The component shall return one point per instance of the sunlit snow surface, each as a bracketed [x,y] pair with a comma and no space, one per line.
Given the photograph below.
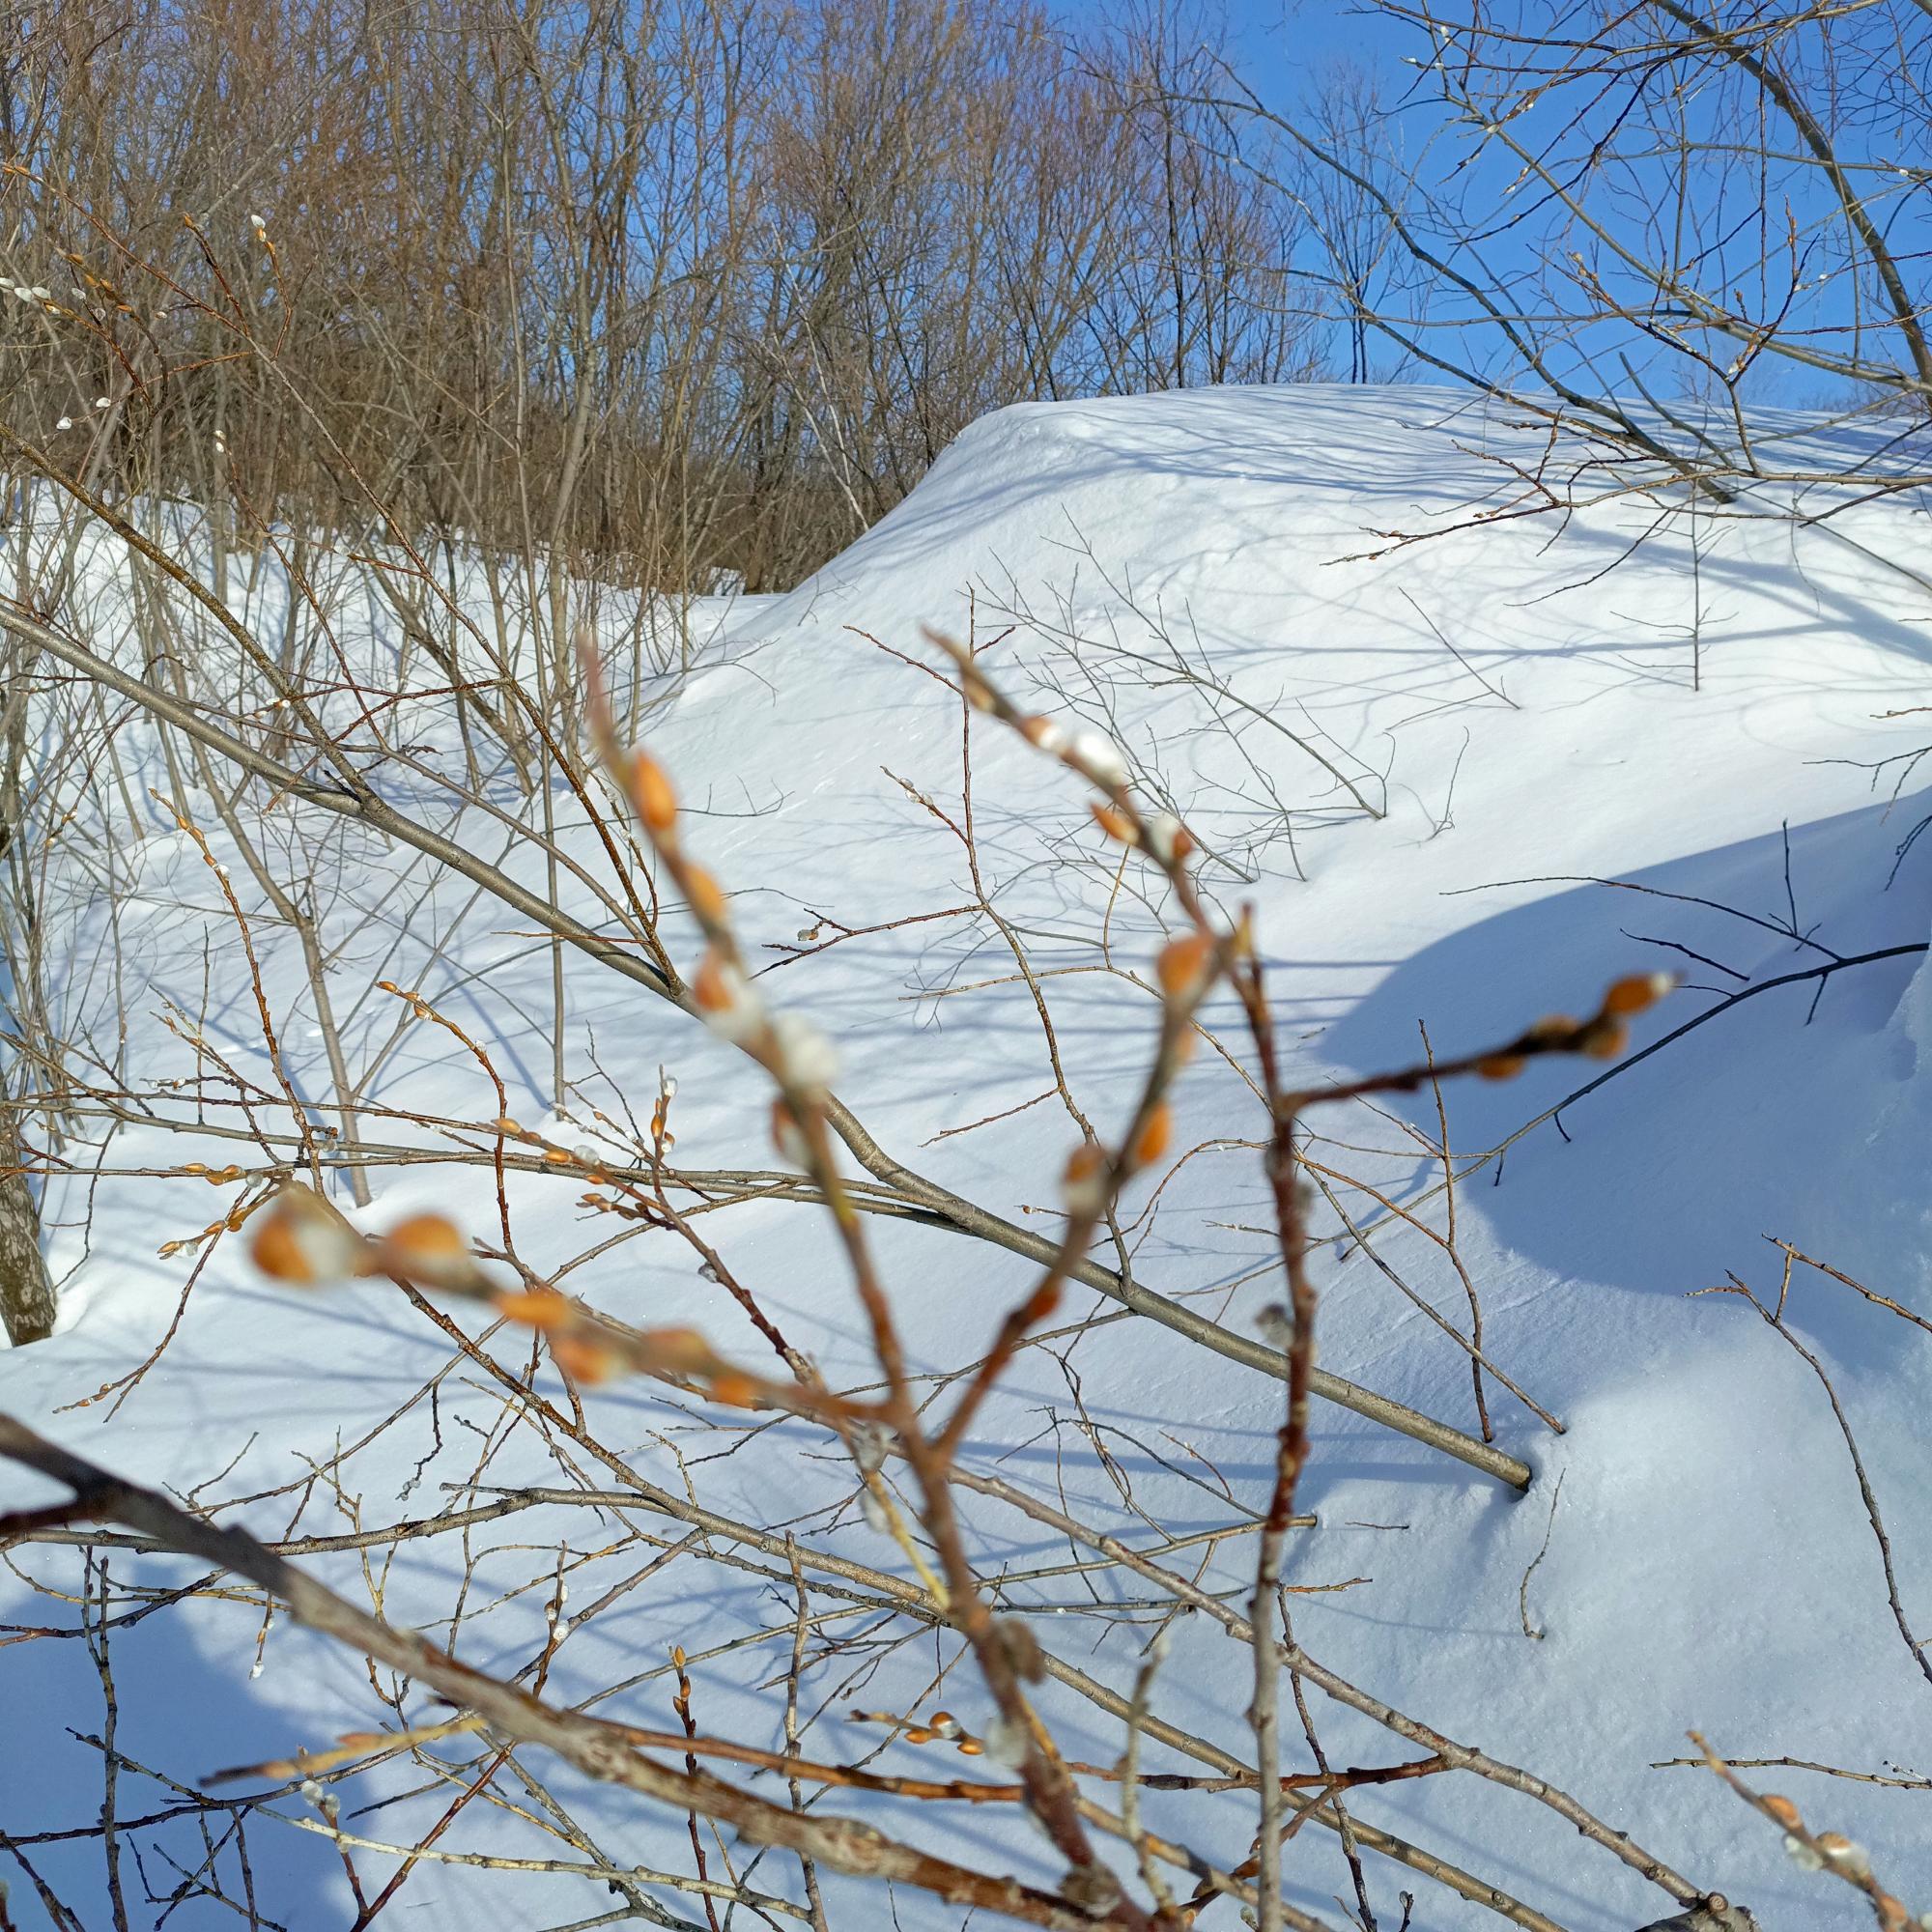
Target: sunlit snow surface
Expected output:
[1192,573]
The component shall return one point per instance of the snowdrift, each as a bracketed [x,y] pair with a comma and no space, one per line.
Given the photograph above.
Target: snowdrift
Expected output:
[1467,764]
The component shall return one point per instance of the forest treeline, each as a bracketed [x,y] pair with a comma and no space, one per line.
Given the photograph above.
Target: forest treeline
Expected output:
[698,287]
[682,293]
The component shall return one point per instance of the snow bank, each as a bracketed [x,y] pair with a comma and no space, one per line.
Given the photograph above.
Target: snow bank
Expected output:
[1412,758]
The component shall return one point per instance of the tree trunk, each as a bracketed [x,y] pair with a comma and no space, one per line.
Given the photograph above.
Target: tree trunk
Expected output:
[26,1290]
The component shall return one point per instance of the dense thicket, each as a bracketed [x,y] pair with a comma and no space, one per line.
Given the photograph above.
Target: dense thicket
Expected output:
[694,284]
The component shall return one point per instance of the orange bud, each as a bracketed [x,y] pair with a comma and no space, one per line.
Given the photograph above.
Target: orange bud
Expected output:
[652,794]
[1784,1810]
[788,1137]
[1168,839]
[1151,1143]
[970,1748]
[557,1156]
[706,896]
[1606,1039]
[1082,1182]
[1114,822]
[430,1247]
[279,1251]
[583,1358]
[1500,1067]
[917,1735]
[302,1238]
[711,986]
[538,1307]
[679,1351]
[1182,962]
[428,1235]
[734,1389]
[730,1007]
[943,1720]
[1637,992]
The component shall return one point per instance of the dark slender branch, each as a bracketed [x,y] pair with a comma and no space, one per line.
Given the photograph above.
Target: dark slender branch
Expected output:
[1723,1005]
[960,1213]
[598,1749]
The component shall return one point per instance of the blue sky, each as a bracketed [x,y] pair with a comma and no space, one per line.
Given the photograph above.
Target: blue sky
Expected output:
[1277,37]
[1277,40]
[1286,48]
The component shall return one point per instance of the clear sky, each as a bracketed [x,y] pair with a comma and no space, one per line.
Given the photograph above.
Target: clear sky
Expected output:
[1814,287]
[1276,37]
[1277,42]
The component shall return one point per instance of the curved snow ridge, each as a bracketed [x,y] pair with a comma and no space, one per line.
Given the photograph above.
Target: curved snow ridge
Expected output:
[1026,490]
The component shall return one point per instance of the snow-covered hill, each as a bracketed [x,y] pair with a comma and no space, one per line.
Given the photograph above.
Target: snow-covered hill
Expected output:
[1462,781]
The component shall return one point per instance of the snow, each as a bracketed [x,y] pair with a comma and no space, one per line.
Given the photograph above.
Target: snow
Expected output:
[1412,763]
